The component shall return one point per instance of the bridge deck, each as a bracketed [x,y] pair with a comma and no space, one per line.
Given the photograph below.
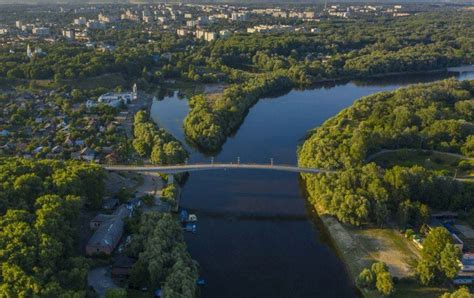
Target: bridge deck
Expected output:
[217,166]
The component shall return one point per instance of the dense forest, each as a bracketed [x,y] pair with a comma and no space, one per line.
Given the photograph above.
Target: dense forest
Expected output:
[255,65]
[259,65]
[435,116]
[40,202]
[156,143]
[163,261]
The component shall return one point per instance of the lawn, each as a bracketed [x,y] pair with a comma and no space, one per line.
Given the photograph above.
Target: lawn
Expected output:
[109,81]
[410,288]
[390,247]
[361,247]
[430,160]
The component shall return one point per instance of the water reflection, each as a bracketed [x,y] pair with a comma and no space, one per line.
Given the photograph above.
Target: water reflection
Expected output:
[256,235]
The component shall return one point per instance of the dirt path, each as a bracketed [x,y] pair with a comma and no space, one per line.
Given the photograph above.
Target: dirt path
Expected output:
[152,185]
[360,247]
[371,157]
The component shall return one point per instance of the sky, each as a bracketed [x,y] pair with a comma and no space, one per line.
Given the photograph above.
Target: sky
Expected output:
[217,1]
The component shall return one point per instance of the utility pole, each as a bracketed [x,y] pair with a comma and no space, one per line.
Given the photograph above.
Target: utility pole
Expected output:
[238,160]
[212,160]
[271,161]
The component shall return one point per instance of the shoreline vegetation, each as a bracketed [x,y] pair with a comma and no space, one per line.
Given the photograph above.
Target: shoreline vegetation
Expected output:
[155,143]
[210,122]
[364,205]
[261,65]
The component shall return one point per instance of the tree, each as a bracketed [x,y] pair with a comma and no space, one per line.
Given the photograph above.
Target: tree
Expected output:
[162,257]
[384,283]
[366,279]
[377,276]
[462,292]
[439,257]
[36,243]
[115,293]
[449,261]
[379,267]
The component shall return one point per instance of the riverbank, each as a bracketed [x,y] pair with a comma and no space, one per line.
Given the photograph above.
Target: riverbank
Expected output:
[359,248]
[209,123]
[260,253]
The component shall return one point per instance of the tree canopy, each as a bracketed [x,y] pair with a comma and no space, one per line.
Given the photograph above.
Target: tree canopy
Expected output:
[424,117]
[40,205]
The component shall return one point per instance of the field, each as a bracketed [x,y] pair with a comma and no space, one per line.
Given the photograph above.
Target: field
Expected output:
[108,81]
[361,247]
[437,161]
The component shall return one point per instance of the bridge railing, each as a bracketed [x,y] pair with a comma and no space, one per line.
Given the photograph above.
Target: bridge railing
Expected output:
[201,163]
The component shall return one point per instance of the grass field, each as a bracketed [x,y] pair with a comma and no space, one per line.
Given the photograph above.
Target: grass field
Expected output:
[109,81]
[361,247]
[429,160]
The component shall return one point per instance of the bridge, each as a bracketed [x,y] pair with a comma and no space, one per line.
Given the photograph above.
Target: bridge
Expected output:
[175,169]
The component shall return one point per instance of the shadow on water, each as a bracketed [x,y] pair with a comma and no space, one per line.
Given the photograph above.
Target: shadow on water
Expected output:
[323,234]
[255,234]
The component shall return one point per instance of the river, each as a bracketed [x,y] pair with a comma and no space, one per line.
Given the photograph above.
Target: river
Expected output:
[256,236]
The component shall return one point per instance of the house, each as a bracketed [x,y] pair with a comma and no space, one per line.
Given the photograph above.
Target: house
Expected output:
[110,204]
[68,142]
[79,143]
[90,104]
[467,263]
[98,220]
[108,234]
[37,150]
[4,133]
[112,158]
[106,238]
[134,203]
[87,154]
[57,149]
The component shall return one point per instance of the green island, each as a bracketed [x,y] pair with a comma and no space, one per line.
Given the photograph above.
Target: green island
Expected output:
[68,226]
[396,154]
[263,65]
[156,143]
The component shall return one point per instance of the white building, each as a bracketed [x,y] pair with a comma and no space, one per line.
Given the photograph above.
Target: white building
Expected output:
[106,19]
[69,33]
[207,36]
[118,99]
[224,33]
[41,31]
[239,16]
[182,32]
[93,24]
[80,21]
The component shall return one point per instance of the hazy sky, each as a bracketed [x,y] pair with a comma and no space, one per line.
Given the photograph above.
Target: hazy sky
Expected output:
[208,1]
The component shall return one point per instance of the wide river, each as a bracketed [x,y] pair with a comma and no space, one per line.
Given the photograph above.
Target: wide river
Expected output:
[256,236]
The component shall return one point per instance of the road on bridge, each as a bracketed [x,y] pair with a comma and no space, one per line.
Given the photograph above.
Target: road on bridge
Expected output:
[173,169]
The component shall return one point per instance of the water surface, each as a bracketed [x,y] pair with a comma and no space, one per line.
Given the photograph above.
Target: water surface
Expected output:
[255,236]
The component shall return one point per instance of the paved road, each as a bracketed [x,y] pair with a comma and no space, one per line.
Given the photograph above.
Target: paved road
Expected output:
[100,279]
[415,150]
